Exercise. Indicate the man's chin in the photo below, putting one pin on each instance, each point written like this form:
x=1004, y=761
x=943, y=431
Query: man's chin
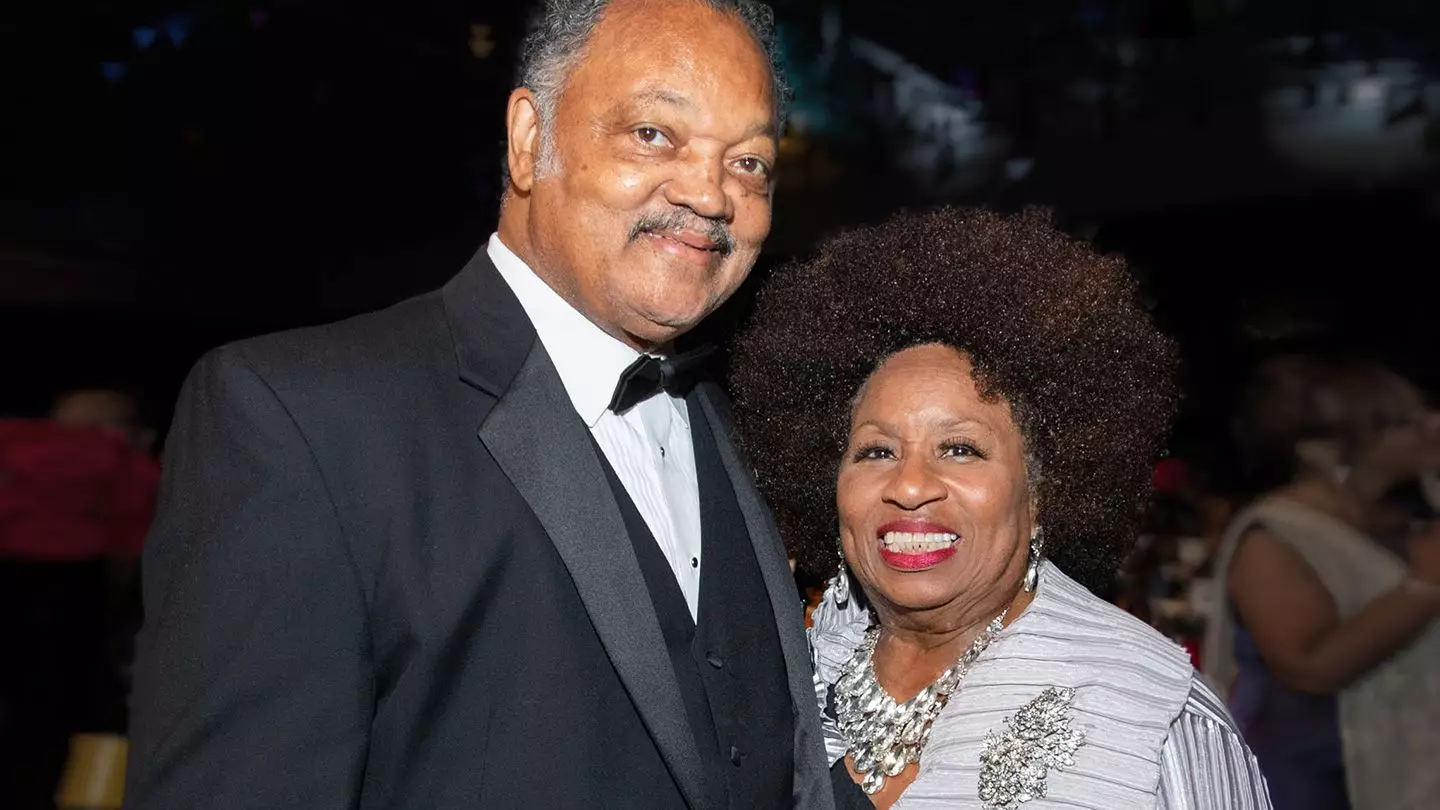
x=652, y=335
x=658, y=329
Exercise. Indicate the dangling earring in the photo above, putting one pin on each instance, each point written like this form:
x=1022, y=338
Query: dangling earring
x=842, y=580
x=1032, y=571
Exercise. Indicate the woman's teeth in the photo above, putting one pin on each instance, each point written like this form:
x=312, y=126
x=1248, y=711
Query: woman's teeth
x=917, y=543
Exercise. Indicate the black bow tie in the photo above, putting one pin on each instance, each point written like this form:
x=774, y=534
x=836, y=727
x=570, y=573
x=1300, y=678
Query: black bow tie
x=648, y=376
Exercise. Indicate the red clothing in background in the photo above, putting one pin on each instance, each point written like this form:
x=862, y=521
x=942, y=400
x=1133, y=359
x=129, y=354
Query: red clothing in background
x=69, y=494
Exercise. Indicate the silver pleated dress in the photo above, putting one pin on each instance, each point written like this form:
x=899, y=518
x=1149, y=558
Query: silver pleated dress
x=1154, y=735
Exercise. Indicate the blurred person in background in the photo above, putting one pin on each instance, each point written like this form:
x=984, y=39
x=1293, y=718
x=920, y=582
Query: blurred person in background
x=115, y=411
x=1328, y=640
x=77, y=493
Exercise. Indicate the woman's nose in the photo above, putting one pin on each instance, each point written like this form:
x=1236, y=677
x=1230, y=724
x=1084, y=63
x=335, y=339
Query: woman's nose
x=914, y=484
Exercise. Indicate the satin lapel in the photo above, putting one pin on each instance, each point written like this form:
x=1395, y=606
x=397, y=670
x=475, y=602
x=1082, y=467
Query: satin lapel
x=525, y=432
x=812, y=777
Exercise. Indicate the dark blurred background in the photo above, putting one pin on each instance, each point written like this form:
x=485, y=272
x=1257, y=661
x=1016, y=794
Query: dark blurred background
x=177, y=174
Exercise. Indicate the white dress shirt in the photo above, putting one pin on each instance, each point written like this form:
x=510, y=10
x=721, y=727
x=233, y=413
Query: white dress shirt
x=648, y=446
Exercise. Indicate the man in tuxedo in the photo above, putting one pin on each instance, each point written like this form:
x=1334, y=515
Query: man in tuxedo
x=486, y=548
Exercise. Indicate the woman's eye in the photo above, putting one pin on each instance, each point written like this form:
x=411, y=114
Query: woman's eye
x=872, y=453
x=960, y=450
x=652, y=136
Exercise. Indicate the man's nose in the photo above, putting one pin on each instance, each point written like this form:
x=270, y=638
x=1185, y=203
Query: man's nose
x=699, y=186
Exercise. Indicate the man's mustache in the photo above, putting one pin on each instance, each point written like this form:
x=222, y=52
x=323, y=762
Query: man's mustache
x=680, y=220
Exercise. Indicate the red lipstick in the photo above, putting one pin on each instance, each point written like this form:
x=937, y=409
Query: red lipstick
x=915, y=562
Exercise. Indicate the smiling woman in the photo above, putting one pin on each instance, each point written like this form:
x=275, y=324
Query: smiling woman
x=933, y=469
x=964, y=396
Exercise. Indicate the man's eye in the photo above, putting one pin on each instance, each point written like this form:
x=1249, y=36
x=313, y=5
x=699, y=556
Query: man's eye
x=753, y=165
x=652, y=136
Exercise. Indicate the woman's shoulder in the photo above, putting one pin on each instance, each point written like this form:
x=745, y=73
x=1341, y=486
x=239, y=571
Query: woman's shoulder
x=1070, y=611
x=1206, y=709
x=1118, y=668
x=1076, y=663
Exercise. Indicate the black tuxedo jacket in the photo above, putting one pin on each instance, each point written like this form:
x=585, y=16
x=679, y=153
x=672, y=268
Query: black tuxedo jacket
x=388, y=572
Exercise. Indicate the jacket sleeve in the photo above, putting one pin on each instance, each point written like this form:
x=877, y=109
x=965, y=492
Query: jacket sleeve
x=253, y=686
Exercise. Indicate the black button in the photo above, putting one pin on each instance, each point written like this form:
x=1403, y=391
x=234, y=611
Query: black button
x=715, y=660
x=734, y=755
x=694, y=562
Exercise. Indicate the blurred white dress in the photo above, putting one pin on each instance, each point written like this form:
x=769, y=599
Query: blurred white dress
x=1390, y=717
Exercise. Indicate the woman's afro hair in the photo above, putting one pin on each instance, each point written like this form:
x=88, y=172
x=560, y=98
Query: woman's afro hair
x=1051, y=326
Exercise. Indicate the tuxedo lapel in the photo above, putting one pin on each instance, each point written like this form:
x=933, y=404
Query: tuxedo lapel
x=811, y=776
x=542, y=446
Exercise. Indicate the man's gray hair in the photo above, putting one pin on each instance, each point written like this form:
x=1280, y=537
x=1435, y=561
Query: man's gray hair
x=561, y=29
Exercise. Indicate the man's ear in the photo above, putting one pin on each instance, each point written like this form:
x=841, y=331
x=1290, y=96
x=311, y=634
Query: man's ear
x=522, y=129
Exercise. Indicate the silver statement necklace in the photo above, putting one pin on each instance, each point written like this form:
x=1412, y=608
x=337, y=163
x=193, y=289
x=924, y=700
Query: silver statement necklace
x=881, y=736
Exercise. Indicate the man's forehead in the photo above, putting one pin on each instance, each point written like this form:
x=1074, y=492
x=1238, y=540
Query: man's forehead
x=647, y=98
x=661, y=97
